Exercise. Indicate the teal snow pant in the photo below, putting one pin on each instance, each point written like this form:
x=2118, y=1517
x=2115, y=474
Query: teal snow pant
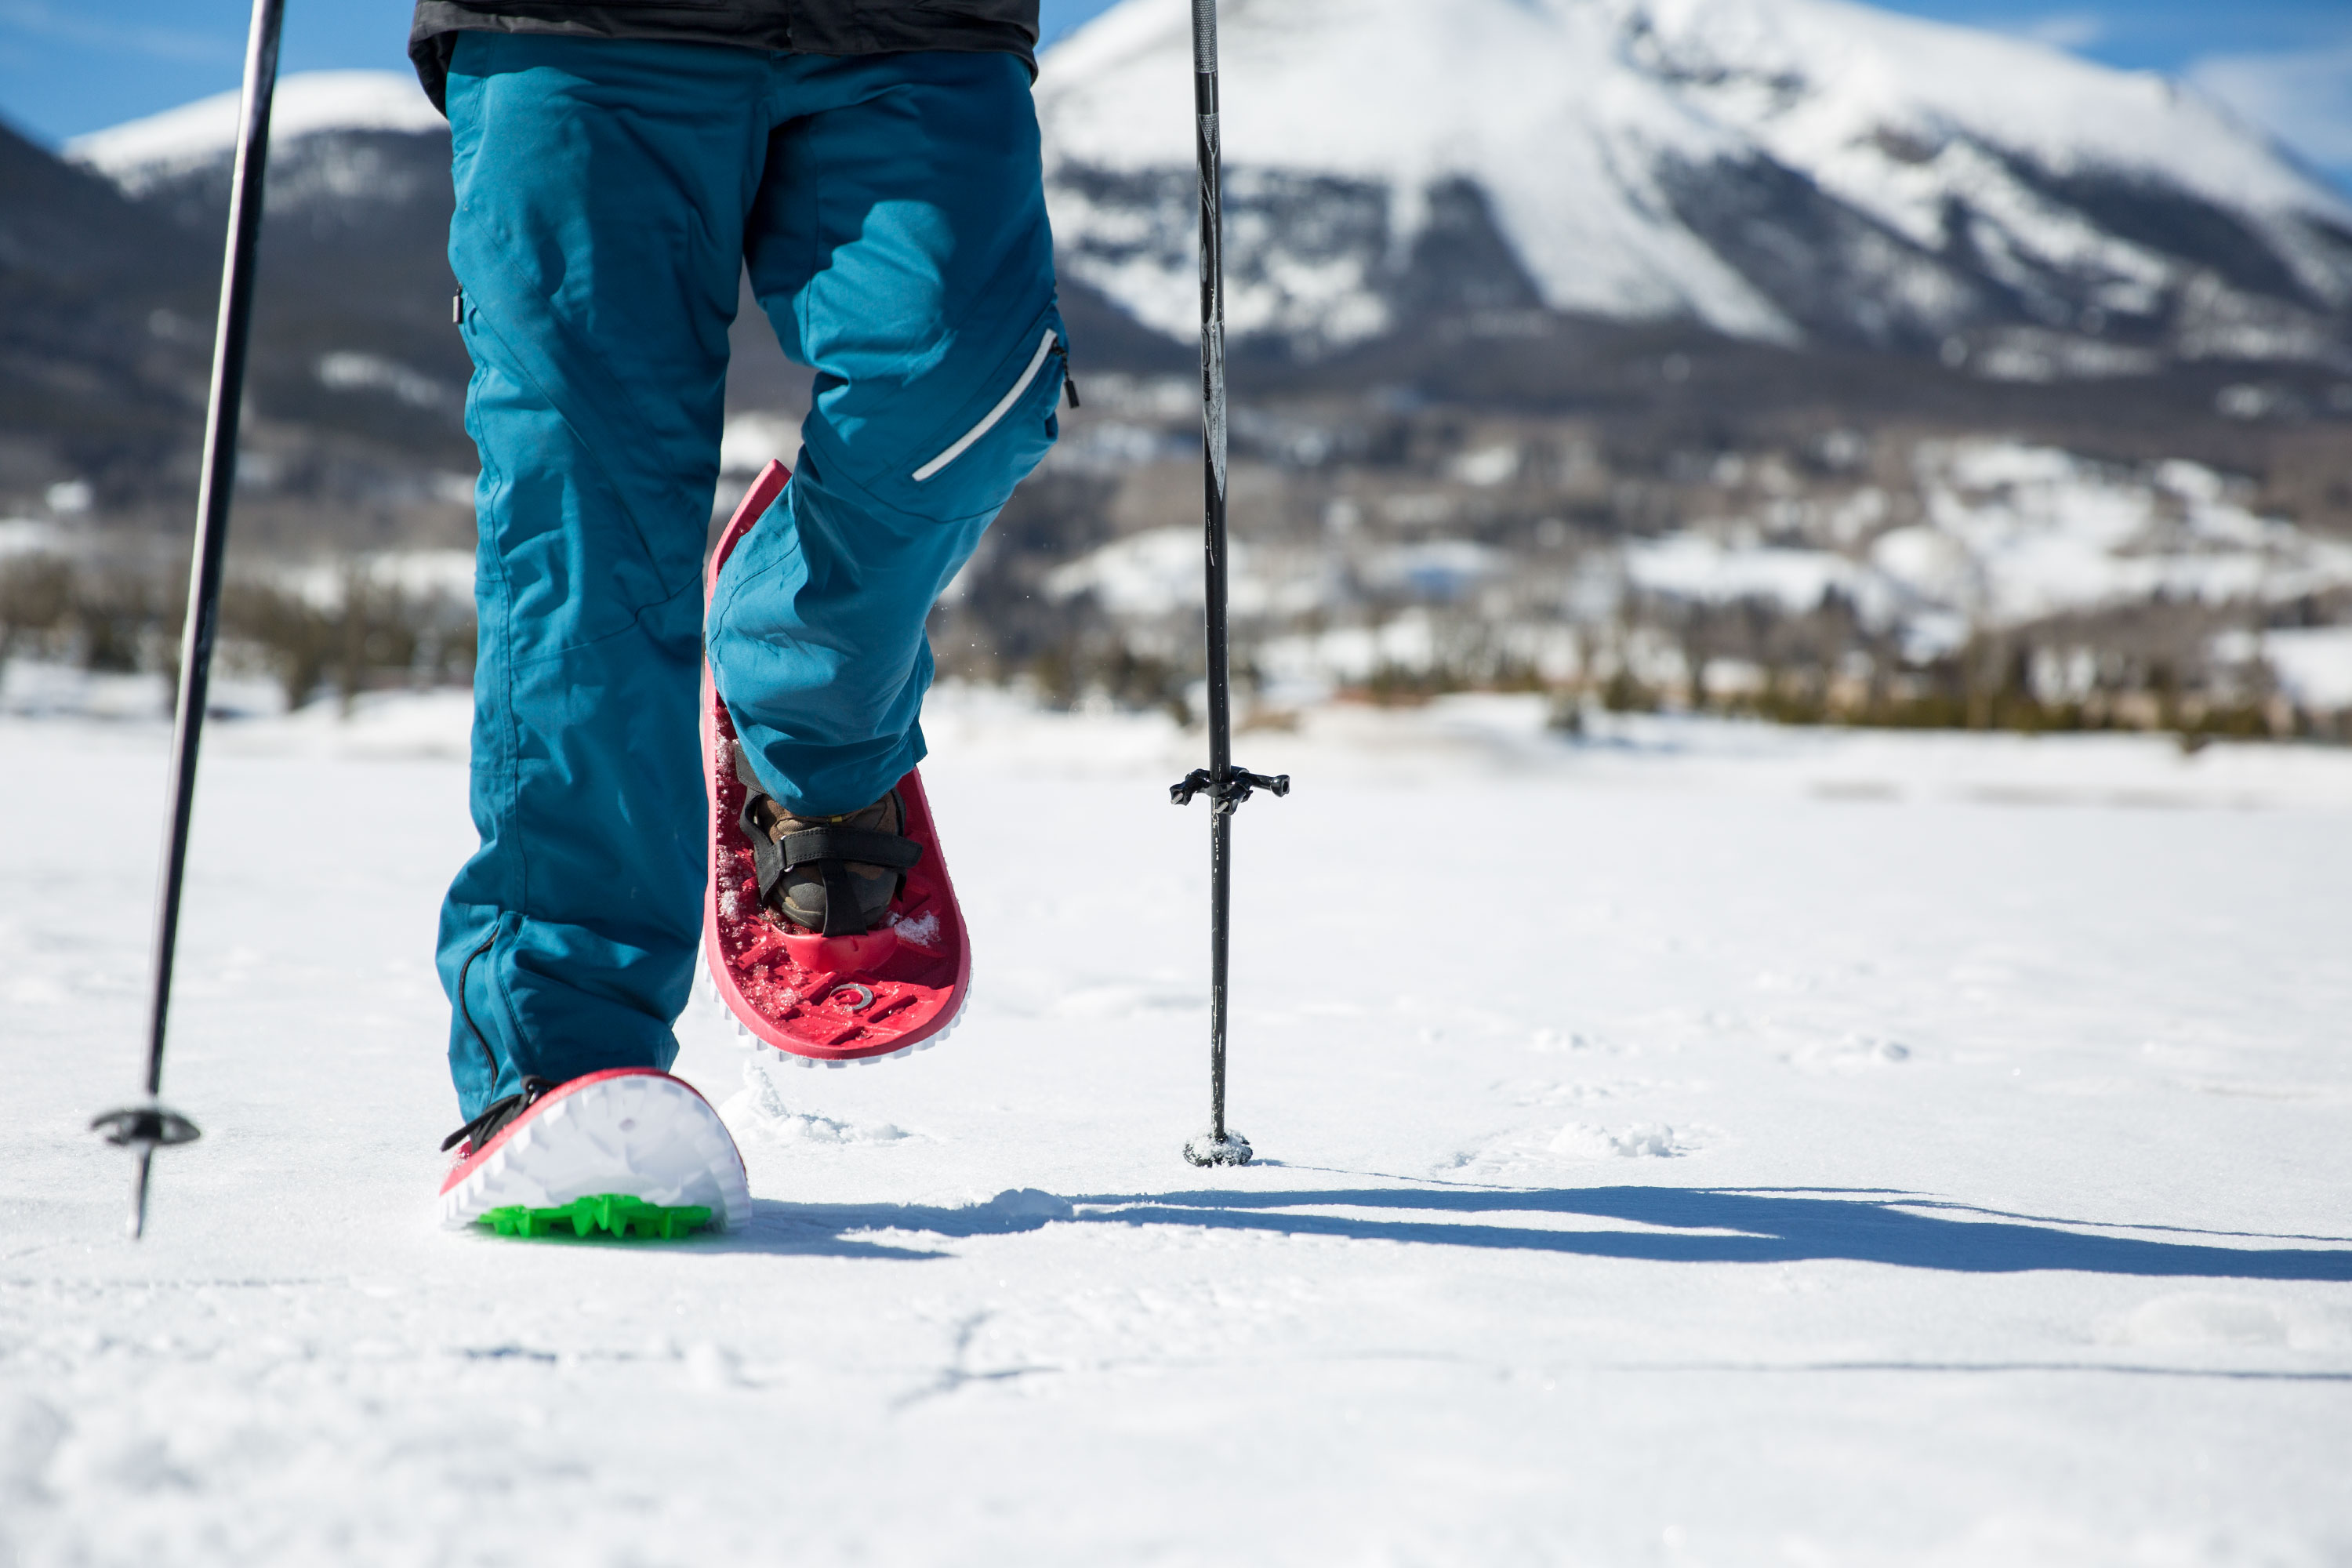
x=610, y=196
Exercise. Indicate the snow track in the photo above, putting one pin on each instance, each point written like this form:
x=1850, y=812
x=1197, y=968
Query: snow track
x=1945, y=1171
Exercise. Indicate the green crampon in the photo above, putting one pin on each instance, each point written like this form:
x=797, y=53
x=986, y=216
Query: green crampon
x=628, y=1218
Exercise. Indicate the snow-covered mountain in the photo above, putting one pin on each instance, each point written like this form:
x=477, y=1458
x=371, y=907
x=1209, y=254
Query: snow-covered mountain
x=358, y=160
x=1806, y=173
x=1782, y=170
x=355, y=376
x=142, y=155
x=1786, y=171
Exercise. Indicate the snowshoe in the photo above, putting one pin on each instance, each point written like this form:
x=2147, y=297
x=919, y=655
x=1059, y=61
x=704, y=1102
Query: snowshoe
x=630, y=1151
x=885, y=982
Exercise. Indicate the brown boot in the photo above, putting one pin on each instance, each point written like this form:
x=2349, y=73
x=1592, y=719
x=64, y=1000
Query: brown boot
x=836, y=875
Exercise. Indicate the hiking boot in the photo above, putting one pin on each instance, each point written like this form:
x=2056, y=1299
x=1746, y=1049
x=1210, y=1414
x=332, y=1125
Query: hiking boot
x=833, y=875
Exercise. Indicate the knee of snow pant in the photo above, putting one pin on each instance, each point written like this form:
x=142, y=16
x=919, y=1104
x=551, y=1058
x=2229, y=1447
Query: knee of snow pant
x=899, y=245
x=598, y=238
x=600, y=264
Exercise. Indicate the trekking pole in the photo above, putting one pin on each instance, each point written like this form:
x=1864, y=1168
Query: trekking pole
x=1225, y=785
x=147, y=1126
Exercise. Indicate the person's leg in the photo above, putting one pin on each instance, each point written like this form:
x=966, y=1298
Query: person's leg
x=899, y=246
x=601, y=187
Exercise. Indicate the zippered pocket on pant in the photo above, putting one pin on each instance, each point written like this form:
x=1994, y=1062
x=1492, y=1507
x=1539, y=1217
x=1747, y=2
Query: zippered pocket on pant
x=465, y=1009
x=990, y=420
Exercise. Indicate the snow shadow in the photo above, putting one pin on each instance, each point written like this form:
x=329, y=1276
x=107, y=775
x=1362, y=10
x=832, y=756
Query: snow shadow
x=1684, y=1225
x=1699, y=1225
x=898, y=1231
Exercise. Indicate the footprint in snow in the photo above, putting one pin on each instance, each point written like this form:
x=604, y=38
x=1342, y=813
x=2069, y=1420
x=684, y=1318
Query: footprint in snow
x=1848, y=1053
x=1123, y=1001
x=758, y=1113
x=1642, y=1140
x=1582, y=1141
x=2201, y=1321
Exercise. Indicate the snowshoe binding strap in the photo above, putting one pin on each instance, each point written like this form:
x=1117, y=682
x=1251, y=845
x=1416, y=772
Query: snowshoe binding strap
x=864, y=845
x=831, y=848
x=488, y=1124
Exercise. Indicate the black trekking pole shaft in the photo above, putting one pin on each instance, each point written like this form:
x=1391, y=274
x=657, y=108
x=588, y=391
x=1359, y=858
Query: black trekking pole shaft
x=1212, y=484
x=218, y=486
x=216, y=489
x=1226, y=785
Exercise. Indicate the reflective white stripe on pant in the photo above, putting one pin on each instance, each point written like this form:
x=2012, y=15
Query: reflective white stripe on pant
x=988, y=421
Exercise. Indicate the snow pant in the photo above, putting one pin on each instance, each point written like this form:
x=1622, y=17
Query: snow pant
x=610, y=196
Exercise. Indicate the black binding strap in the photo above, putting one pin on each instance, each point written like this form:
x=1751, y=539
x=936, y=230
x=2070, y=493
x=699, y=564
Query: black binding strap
x=497, y=1114
x=866, y=845
x=844, y=915
x=767, y=860
x=831, y=850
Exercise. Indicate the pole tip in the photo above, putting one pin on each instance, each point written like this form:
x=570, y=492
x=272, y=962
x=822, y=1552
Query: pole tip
x=136, y=1228
x=142, y=1129
x=1208, y=1149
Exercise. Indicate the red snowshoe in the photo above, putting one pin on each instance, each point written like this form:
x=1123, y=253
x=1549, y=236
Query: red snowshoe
x=895, y=988
x=629, y=1150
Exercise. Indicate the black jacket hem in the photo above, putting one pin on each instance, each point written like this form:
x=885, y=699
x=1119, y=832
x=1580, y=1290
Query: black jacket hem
x=801, y=27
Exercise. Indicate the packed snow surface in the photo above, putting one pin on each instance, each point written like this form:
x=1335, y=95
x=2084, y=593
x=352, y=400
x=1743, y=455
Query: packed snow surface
x=1731, y=1146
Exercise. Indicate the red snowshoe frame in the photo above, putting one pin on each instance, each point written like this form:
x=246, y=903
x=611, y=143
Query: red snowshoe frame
x=895, y=989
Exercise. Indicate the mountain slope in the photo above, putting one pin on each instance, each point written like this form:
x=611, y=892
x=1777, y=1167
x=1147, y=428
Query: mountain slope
x=110, y=270
x=1786, y=170
x=351, y=324
x=1586, y=190
x=86, y=382
x=145, y=153
x=355, y=363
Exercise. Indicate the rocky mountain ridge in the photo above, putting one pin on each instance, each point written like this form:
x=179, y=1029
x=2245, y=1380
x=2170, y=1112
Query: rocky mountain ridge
x=1697, y=224
x=1790, y=171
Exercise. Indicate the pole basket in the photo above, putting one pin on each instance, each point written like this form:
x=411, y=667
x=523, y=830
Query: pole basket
x=1208, y=1149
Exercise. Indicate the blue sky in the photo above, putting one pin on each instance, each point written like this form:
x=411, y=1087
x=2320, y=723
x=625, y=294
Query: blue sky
x=71, y=66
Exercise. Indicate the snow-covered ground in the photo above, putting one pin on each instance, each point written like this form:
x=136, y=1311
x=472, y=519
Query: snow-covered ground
x=1724, y=1146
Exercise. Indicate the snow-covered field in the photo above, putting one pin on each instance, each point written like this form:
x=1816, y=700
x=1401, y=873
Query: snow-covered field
x=1727, y=1146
